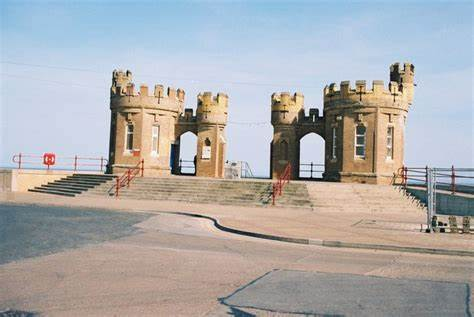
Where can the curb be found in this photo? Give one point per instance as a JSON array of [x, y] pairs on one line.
[[329, 243], [318, 242]]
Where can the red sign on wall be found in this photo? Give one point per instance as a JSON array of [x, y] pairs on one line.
[[49, 159]]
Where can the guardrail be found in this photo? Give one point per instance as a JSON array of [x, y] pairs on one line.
[[187, 165], [312, 169], [245, 170], [277, 187], [129, 175], [453, 179], [50, 160], [434, 179]]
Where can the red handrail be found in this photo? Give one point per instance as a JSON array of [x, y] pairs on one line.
[[277, 187], [129, 175]]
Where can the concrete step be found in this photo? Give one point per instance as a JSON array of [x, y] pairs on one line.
[[73, 185], [52, 192], [79, 182], [60, 186]]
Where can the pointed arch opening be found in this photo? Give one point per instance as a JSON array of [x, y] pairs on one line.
[[311, 157], [185, 154]]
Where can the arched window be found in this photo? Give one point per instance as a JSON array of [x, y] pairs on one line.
[[389, 143], [360, 141], [284, 149], [155, 138], [129, 137], [334, 144]]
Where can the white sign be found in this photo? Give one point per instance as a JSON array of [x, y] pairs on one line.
[[206, 152]]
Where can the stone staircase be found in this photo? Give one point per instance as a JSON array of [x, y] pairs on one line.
[[75, 184], [345, 197], [210, 191]]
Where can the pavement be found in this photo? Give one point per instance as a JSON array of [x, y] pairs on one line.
[[339, 294], [162, 264], [383, 231]]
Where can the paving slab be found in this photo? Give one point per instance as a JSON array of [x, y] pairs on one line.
[[335, 294]]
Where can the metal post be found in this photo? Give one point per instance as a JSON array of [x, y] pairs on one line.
[[143, 167], [431, 199], [75, 163], [19, 161], [426, 175], [101, 163], [453, 180], [289, 173], [117, 187], [273, 194], [311, 169]]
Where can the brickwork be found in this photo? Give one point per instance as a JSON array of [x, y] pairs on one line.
[[148, 126], [364, 129]]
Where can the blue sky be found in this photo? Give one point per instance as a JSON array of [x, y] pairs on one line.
[[57, 59]]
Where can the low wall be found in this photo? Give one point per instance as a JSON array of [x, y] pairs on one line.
[[13, 180], [446, 203]]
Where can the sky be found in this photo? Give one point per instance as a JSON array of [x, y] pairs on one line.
[[57, 59]]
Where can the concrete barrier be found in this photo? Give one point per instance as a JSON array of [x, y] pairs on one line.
[[447, 203], [14, 180]]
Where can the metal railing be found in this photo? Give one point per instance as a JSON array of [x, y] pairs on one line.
[[50, 160], [277, 187], [186, 167], [128, 176], [311, 170], [433, 179], [453, 179], [245, 170]]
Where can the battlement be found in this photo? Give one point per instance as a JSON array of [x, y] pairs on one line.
[[402, 75], [187, 116], [212, 109], [124, 94], [121, 78], [284, 101], [207, 99], [345, 88]]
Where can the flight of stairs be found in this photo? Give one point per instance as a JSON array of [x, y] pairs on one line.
[[345, 197], [75, 184], [208, 190]]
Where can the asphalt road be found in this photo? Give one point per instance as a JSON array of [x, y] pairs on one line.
[[28, 231], [169, 265]]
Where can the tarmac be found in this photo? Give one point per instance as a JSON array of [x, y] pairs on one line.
[[109, 262], [362, 230]]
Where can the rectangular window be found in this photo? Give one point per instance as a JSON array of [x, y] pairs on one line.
[[129, 137], [390, 143], [155, 134], [334, 144], [360, 141]]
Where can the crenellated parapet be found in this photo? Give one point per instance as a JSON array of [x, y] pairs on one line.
[[359, 95], [212, 109], [397, 94], [123, 94], [287, 108]]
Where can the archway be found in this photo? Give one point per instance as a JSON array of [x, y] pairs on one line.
[[311, 157], [187, 147]]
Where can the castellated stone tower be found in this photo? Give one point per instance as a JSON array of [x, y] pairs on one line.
[[290, 124], [363, 128], [148, 126], [209, 125]]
